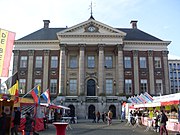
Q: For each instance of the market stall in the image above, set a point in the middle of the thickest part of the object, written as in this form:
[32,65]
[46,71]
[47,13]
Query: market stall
[28,105]
[6,106]
[170,104]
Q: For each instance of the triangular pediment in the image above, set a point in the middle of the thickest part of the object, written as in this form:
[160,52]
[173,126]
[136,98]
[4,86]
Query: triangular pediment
[91,27]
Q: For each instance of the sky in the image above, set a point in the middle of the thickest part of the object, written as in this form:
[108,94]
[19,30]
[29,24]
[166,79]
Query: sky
[160,18]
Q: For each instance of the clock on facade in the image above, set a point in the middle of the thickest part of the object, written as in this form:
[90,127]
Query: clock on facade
[91,28]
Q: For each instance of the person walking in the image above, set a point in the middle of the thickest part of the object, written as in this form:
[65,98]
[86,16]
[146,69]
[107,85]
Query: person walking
[3,123]
[94,117]
[110,117]
[98,116]
[16,121]
[103,116]
[163,120]
[28,125]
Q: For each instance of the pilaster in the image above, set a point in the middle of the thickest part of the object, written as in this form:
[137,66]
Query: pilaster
[62,69]
[120,73]
[136,72]
[151,72]
[81,69]
[30,69]
[166,88]
[101,69]
[45,69]
[15,60]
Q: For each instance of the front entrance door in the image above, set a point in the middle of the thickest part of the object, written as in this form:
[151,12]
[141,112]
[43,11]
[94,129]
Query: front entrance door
[91,86]
[113,110]
[91,109]
[72,110]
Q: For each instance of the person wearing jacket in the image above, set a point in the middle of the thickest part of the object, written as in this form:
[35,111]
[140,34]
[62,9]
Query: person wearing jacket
[163,120]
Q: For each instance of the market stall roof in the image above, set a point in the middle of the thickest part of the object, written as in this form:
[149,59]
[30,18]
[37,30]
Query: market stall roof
[24,100]
[54,106]
[147,105]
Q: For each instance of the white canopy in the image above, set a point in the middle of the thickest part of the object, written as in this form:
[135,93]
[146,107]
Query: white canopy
[54,106]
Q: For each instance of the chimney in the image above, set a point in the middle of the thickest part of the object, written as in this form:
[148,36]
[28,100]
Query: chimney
[46,23]
[134,24]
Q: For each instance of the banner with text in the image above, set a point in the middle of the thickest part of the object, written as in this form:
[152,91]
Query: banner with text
[6,47]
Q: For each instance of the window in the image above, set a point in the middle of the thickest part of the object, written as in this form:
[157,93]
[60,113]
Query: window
[53,86]
[108,61]
[178,66]
[54,61]
[159,86]
[157,62]
[109,86]
[23,62]
[37,82]
[127,62]
[143,85]
[22,86]
[73,86]
[73,62]
[38,63]
[142,62]
[91,61]
[170,66]
[128,86]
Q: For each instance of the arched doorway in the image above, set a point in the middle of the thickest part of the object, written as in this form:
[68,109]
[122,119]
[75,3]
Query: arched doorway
[113,110]
[91,109]
[72,110]
[91,86]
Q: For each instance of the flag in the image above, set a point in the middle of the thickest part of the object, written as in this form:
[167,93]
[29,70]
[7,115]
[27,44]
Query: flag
[6,47]
[35,92]
[46,96]
[12,84]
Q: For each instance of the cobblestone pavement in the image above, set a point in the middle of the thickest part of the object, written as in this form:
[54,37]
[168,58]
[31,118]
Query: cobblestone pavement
[86,127]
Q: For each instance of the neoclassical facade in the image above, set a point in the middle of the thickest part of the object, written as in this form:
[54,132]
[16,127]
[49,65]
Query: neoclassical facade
[92,66]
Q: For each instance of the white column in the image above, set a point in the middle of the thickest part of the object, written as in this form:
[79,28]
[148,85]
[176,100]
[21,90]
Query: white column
[45,69]
[151,72]
[30,69]
[81,69]
[62,69]
[136,72]
[120,65]
[101,69]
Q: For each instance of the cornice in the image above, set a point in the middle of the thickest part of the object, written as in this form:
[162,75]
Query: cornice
[148,42]
[17,42]
[91,35]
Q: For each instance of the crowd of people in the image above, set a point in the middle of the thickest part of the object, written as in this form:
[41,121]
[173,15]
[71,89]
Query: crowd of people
[156,120]
[106,117]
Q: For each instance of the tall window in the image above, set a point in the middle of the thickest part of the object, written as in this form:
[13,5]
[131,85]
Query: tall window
[23,62]
[109,86]
[73,86]
[37,82]
[128,86]
[91,61]
[127,62]
[108,61]
[157,62]
[54,61]
[142,62]
[159,86]
[38,63]
[73,62]
[143,85]
[22,86]
[53,86]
